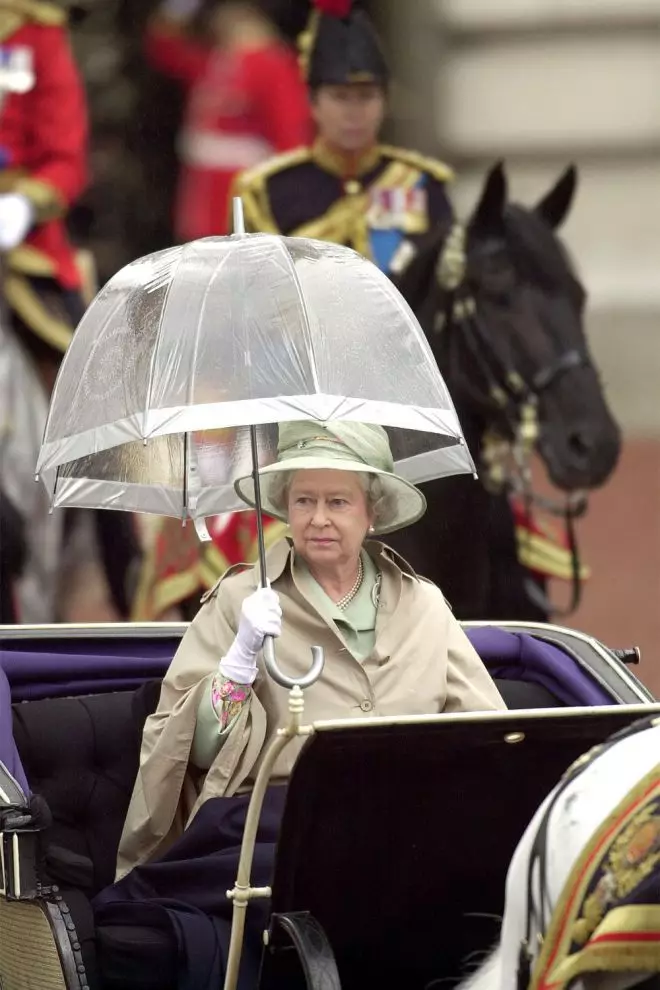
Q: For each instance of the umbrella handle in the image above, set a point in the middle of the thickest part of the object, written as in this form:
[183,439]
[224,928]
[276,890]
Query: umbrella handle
[313,674]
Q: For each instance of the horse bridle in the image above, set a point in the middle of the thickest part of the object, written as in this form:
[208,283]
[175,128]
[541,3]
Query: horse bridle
[451,270]
[516,400]
[547,376]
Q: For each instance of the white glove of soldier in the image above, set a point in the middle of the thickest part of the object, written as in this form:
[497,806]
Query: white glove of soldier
[16,218]
[180,10]
[261,615]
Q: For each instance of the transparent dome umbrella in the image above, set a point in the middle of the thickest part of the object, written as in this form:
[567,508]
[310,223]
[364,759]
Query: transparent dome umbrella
[186,361]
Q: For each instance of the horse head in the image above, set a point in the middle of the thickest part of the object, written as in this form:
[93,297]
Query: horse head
[504,313]
[590,854]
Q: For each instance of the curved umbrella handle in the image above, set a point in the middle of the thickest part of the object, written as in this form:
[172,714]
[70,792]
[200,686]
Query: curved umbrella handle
[314,672]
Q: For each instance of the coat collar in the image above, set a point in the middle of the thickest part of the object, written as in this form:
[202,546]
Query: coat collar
[392,566]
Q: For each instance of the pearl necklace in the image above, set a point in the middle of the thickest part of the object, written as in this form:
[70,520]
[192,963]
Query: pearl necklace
[344,602]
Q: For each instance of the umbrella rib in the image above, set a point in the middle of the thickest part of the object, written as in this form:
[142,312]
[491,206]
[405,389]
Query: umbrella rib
[312,349]
[174,268]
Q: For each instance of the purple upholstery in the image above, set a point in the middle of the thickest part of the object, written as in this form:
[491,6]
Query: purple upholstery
[8,752]
[75,667]
[520,657]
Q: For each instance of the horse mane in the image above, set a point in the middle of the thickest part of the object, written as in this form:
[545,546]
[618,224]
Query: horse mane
[538,255]
[489,974]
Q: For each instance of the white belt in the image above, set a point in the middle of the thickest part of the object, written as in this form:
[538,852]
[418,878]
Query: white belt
[204,149]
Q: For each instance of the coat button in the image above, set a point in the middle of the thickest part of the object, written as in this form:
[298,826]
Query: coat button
[366,706]
[352,187]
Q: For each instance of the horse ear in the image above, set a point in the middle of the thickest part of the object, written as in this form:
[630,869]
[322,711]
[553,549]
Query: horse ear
[555,205]
[489,212]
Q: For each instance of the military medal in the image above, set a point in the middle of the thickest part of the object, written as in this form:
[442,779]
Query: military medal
[396,208]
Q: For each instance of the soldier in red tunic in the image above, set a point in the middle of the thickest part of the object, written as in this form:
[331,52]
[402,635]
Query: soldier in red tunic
[246,101]
[43,154]
[43,139]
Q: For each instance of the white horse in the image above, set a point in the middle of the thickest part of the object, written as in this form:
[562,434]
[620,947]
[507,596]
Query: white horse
[594,839]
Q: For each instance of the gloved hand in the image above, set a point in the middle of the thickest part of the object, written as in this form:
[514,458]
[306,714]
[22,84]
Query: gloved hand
[180,10]
[16,218]
[261,615]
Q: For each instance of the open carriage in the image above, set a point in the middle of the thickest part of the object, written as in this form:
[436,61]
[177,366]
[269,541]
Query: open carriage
[396,835]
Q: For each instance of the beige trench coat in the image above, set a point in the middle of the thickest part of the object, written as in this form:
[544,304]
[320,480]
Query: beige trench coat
[422,663]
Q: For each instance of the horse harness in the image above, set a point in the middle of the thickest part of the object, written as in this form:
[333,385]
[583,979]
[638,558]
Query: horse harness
[508,461]
[540,912]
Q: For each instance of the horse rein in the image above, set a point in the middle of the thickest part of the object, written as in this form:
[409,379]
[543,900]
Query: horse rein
[517,402]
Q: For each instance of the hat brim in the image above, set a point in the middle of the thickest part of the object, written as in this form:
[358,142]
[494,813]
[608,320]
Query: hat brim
[407,504]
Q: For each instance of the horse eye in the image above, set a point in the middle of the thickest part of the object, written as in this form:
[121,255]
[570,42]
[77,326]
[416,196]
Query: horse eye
[499,282]
[497,265]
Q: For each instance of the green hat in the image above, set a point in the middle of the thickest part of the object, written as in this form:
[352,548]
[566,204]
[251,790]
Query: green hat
[358,447]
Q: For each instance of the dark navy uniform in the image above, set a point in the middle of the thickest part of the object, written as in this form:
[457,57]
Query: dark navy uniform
[390,197]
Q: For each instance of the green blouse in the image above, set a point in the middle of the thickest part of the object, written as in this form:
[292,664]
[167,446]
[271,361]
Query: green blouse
[357,622]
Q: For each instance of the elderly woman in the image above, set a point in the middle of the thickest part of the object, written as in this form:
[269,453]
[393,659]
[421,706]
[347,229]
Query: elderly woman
[392,647]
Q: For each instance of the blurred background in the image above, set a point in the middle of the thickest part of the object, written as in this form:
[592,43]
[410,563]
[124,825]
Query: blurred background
[538,83]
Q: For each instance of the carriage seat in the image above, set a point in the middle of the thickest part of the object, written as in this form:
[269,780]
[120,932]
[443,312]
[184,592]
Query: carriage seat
[81,755]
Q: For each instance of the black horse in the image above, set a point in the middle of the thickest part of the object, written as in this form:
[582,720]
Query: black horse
[502,309]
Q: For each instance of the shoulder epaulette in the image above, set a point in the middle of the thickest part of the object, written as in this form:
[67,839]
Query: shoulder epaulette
[41,12]
[252,187]
[438,170]
[395,558]
[260,173]
[230,572]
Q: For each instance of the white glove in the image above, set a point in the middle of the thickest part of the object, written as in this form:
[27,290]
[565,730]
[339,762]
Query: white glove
[180,10]
[16,217]
[261,615]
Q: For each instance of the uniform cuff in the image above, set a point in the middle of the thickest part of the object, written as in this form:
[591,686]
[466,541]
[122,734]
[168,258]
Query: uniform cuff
[48,202]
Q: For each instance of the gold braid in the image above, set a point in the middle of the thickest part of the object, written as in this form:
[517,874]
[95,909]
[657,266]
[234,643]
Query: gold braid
[306,41]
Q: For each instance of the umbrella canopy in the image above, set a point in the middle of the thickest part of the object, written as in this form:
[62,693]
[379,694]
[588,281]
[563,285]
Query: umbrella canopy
[186,349]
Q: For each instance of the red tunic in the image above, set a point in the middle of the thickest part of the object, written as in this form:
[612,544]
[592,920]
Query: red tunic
[177,566]
[43,134]
[243,107]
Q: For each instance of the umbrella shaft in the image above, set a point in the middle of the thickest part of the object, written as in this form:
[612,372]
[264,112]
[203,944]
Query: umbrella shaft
[257,503]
